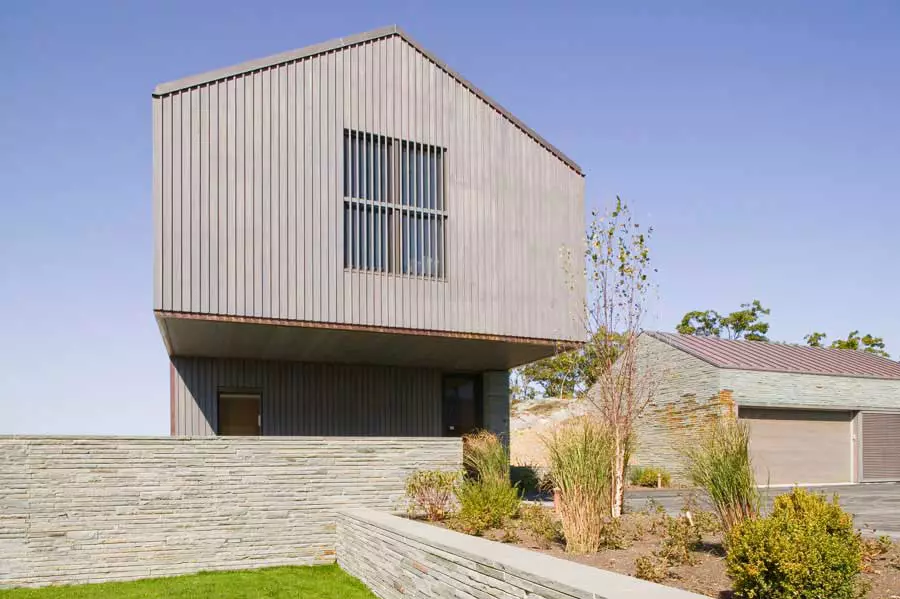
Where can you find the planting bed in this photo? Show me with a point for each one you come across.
(642, 534)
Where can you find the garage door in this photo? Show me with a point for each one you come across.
(880, 447)
(799, 446)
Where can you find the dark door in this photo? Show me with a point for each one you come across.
(462, 404)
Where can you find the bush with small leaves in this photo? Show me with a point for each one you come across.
(542, 524)
(641, 476)
(806, 549)
(651, 567)
(430, 492)
(681, 540)
(485, 504)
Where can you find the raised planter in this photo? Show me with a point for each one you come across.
(399, 558)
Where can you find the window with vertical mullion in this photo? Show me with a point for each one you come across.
(392, 209)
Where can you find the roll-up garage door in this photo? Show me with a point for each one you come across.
(799, 446)
(880, 447)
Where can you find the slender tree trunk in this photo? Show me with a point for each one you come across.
(618, 490)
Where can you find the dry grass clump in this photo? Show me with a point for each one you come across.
(580, 456)
(719, 463)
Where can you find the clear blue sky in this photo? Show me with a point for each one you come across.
(761, 140)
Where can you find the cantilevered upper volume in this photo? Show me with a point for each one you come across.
(359, 206)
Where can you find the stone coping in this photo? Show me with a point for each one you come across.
(373, 439)
(545, 570)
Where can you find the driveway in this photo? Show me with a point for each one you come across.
(875, 507)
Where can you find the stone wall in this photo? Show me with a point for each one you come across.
(110, 508)
(401, 559)
(686, 390)
(794, 390)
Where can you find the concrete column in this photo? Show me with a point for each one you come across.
(495, 386)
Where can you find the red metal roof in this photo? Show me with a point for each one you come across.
(782, 357)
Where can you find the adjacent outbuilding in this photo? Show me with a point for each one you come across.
(816, 415)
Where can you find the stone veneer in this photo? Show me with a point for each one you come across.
(96, 509)
(398, 558)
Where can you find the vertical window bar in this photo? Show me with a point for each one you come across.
(357, 233)
(370, 215)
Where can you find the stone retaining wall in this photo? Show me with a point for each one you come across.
(401, 559)
(108, 508)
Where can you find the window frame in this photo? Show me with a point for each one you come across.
(391, 243)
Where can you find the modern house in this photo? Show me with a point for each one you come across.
(816, 415)
(352, 239)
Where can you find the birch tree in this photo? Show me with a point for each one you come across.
(618, 274)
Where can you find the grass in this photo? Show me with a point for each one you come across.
(303, 582)
(580, 453)
(719, 463)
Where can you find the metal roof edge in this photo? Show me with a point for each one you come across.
(663, 338)
(335, 44)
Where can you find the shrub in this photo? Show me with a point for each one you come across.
(806, 549)
(486, 497)
(430, 493)
(526, 479)
(719, 463)
(485, 504)
(640, 476)
(651, 567)
(681, 540)
(580, 454)
(542, 524)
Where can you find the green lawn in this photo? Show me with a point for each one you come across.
(305, 582)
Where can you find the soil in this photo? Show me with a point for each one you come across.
(642, 534)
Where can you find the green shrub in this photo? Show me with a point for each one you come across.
(719, 463)
(486, 498)
(485, 504)
(681, 540)
(526, 479)
(641, 476)
(580, 454)
(806, 549)
(429, 492)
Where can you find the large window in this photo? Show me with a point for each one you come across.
(394, 206)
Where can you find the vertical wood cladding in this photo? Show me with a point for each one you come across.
(250, 206)
(311, 399)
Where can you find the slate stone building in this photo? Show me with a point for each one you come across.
(816, 415)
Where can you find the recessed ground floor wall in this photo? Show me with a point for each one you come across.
(299, 398)
(76, 510)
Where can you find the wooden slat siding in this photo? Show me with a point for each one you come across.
(263, 152)
(880, 447)
(311, 399)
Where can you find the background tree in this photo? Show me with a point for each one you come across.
(566, 374)
(867, 343)
(617, 273)
(746, 323)
(561, 375)
(815, 339)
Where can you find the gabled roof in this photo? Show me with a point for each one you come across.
(276, 59)
(781, 357)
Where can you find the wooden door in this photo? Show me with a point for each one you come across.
(239, 414)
